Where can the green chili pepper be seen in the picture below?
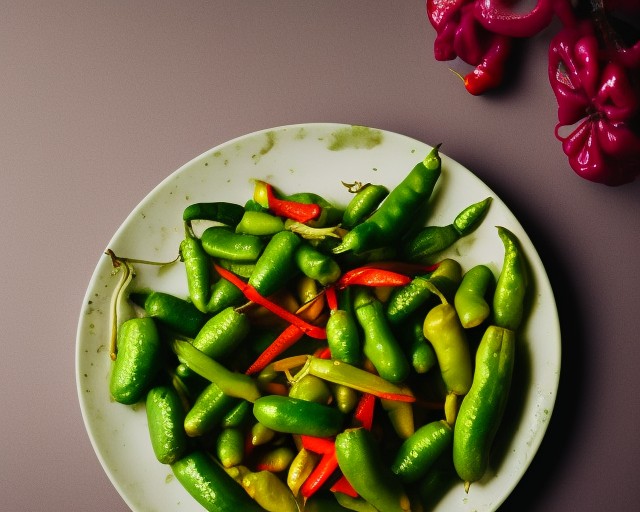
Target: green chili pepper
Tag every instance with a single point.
(470, 300)
(198, 269)
(208, 411)
(225, 213)
(260, 433)
(224, 294)
(346, 398)
(274, 267)
(296, 416)
(222, 333)
(239, 268)
(482, 408)
(405, 300)
(238, 416)
(138, 360)
(419, 452)
(396, 214)
(379, 344)
(417, 348)
(443, 329)
(230, 447)
(361, 463)
(311, 388)
(509, 296)
(222, 242)
(364, 203)
(178, 314)
(401, 417)
(316, 265)
(231, 383)
(259, 223)
(431, 240)
(210, 486)
(266, 488)
(343, 336)
(165, 417)
(437, 482)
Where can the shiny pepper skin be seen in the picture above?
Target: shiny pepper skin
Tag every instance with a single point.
(599, 101)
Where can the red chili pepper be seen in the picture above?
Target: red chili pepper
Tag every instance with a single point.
(300, 212)
(332, 297)
(320, 475)
(323, 353)
(403, 267)
(343, 486)
(285, 340)
(490, 72)
(365, 410)
(253, 295)
(371, 276)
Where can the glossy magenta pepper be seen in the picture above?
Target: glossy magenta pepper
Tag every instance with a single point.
(503, 16)
(598, 102)
(460, 34)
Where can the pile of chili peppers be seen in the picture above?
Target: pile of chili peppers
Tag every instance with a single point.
(594, 70)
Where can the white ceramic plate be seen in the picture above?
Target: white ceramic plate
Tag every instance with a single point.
(315, 158)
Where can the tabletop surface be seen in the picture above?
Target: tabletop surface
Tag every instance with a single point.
(102, 100)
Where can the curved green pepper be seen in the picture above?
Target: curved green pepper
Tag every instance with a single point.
(379, 344)
(431, 240)
(222, 242)
(443, 329)
(482, 408)
(343, 337)
(406, 300)
(469, 299)
(361, 463)
(165, 418)
(316, 265)
(419, 452)
(210, 486)
(396, 214)
(363, 204)
(222, 333)
(197, 265)
(178, 314)
(208, 411)
(297, 416)
(259, 223)
(224, 294)
(225, 213)
(508, 299)
(138, 360)
(230, 447)
(274, 266)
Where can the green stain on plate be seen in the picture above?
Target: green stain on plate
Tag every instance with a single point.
(357, 137)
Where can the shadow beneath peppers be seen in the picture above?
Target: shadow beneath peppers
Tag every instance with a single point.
(548, 461)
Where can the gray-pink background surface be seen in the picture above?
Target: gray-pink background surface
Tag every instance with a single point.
(101, 100)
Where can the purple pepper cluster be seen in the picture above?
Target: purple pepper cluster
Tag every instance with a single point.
(594, 70)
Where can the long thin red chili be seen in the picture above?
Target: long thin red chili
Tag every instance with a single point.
(300, 212)
(285, 340)
(371, 276)
(253, 295)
